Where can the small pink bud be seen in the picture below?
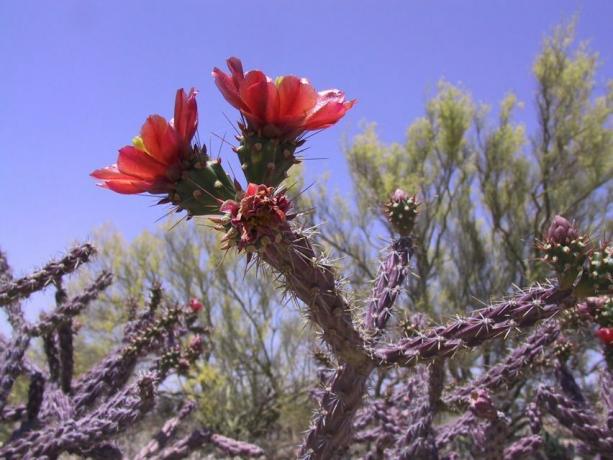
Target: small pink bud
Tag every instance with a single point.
(195, 305)
(561, 231)
(400, 195)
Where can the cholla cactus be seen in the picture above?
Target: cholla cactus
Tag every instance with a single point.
(83, 414)
(420, 406)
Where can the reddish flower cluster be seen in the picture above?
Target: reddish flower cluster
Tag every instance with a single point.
(285, 107)
(259, 218)
(153, 163)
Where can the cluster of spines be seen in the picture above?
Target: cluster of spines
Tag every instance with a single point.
(266, 160)
(202, 186)
(401, 211)
(565, 254)
(597, 276)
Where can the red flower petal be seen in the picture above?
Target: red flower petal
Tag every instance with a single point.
(109, 172)
(251, 189)
(284, 110)
(160, 140)
(228, 89)
(139, 165)
(331, 108)
(236, 69)
(229, 205)
(127, 187)
(296, 97)
(260, 97)
(186, 115)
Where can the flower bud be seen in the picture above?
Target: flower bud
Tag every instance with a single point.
(401, 210)
(561, 231)
(481, 404)
(195, 305)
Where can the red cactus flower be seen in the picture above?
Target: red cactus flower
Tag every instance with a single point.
(605, 334)
(153, 163)
(285, 107)
(260, 216)
(195, 305)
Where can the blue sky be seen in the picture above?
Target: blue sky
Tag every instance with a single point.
(79, 77)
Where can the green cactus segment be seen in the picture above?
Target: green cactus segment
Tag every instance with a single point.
(566, 259)
(203, 186)
(597, 276)
(401, 214)
(266, 161)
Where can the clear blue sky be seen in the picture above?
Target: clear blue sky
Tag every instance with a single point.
(78, 78)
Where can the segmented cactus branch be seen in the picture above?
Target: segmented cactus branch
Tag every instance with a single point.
(202, 437)
(582, 424)
(524, 448)
(392, 272)
(499, 320)
(314, 282)
(81, 417)
(511, 369)
(166, 433)
(24, 287)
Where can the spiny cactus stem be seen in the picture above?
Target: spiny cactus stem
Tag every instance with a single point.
(506, 374)
(200, 437)
(315, 284)
(523, 310)
(14, 413)
(332, 426)
(392, 272)
(11, 363)
(419, 441)
(113, 372)
(458, 427)
(70, 308)
(168, 431)
(578, 420)
(72, 435)
(524, 448)
(13, 309)
(24, 287)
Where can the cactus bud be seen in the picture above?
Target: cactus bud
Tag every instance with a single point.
(481, 404)
(565, 250)
(195, 305)
(561, 231)
(400, 211)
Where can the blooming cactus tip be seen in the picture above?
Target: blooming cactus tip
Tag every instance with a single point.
(276, 113)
